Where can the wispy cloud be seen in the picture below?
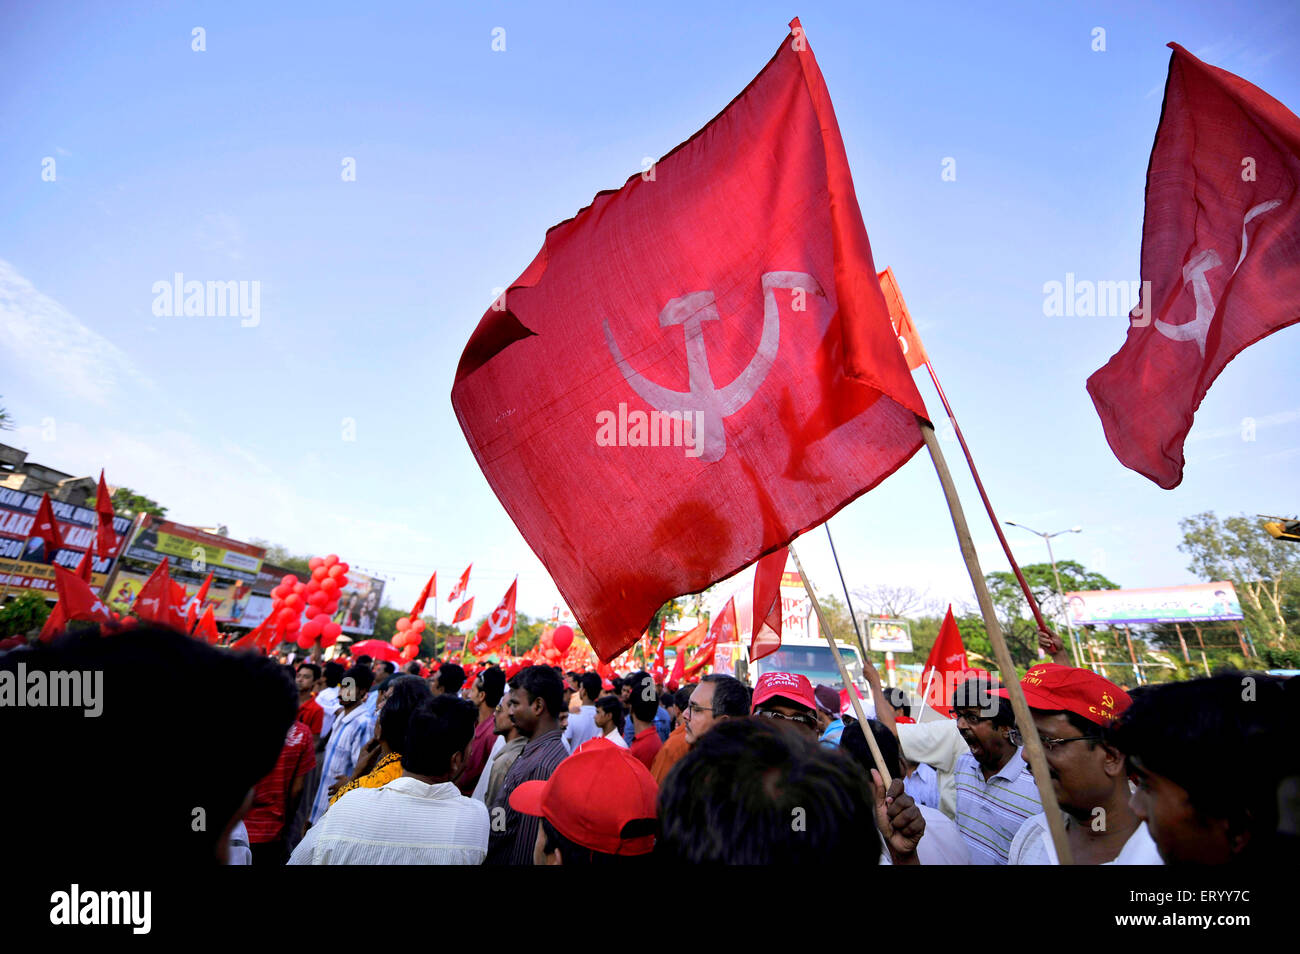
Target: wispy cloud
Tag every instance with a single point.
(37, 332)
(1276, 419)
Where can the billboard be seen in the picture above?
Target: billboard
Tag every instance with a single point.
(1200, 602)
(24, 567)
(889, 635)
(231, 601)
(359, 604)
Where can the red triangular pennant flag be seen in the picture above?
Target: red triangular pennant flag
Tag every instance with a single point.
(463, 612)
(908, 338)
(105, 535)
(191, 616)
(1219, 257)
(153, 604)
(203, 590)
(943, 667)
(207, 628)
(722, 630)
(85, 567)
(253, 638)
(659, 669)
(77, 599)
(458, 591)
(47, 528)
(722, 326)
(692, 637)
(430, 589)
(55, 623)
(498, 628)
(765, 637)
(679, 670)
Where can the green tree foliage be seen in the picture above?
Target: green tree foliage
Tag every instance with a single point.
(1014, 616)
(6, 420)
(22, 615)
(1264, 571)
(126, 502)
(280, 556)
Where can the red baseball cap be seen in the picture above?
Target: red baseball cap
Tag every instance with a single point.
(1081, 691)
(787, 685)
(592, 795)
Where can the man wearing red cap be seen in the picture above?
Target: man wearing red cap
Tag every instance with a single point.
(787, 698)
(1071, 707)
(598, 807)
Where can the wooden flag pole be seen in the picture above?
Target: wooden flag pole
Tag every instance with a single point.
(1033, 747)
(844, 673)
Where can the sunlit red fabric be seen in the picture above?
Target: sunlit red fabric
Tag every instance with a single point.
(946, 662)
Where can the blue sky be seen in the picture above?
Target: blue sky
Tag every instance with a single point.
(225, 164)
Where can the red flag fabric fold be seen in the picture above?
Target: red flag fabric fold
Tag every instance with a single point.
(765, 637)
(721, 630)
(463, 612)
(430, 589)
(78, 600)
(105, 535)
(943, 667)
(498, 628)
(720, 367)
(458, 591)
(908, 337)
(1219, 257)
(47, 528)
(85, 568)
(253, 638)
(207, 628)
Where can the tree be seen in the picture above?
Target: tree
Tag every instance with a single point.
(6, 420)
(280, 556)
(1017, 622)
(1265, 571)
(127, 503)
(885, 599)
(24, 613)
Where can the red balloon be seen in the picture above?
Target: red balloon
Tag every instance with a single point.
(328, 641)
(332, 630)
(345, 566)
(409, 653)
(294, 601)
(342, 581)
(129, 621)
(337, 570)
(329, 586)
(417, 625)
(314, 562)
(319, 573)
(404, 624)
(562, 638)
(317, 598)
(288, 580)
(331, 560)
(305, 641)
(299, 588)
(332, 606)
(314, 611)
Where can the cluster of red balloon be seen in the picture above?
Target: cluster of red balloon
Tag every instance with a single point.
(555, 645)
(410, 633)
(318, 598)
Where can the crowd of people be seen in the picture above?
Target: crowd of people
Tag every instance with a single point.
(202, 755)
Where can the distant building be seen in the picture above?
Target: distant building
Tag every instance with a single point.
(18, 473)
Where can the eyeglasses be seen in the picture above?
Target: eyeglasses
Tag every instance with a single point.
(801, 719)
(972, 716)
(1049, 744)
(700, 710)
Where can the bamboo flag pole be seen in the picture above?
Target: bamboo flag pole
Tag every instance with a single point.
(848, 600)
(1033, 747)
(844, 673)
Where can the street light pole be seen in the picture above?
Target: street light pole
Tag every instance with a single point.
(1047, 538)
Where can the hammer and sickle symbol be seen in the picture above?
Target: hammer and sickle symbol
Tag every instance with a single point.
(704, 398)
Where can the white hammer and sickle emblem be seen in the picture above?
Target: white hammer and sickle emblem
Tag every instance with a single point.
(712, 403)
(499, 622)
(1194, 272)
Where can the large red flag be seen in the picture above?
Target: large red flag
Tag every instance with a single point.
(943, 667)
(430, 589)
(498, 627)
(463, 612)
(722, 629)
(191, 617)
(47, 528)
(85, 568)
(458, 591)
(78, 600)
(1221, 251)
(105, 535)
(153, 604)
(765, 636)
(207, 628)
(719, 364)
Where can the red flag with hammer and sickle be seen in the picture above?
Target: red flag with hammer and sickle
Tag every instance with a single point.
(497, 629)
(1221, 254)
(697, 367)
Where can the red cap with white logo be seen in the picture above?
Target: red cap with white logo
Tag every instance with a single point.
(788, 685)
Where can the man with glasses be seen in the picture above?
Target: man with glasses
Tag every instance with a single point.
(984, 782)
(787, 698)
(1071, 708)
(716, 699)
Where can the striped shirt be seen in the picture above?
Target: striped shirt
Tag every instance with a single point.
(989, 813)
(407, 822)
(351, 732)
(514, 837)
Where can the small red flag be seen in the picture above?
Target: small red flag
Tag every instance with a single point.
(55, 623)
(908, 338)
(943, 667)
(736, 290)
(462, 614)
(85, 568)
(721, 630)
(498, 628)
(430, 589)
(203, 590)
(692, 637)
(458, 591)
(1219, 256)
(47, 528)
(765, 638)
(253, 638)
(191, 616)
(78, 600)
(105, 535)
(679, 670)
(659, 670)
(207, 628)
(153, 604)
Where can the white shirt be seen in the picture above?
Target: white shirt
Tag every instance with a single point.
(582, 726)
(937, 744)
(616, 737)
(942, 843)
(328, 699)
(481, 787)
(240, 853)
(407, 822)
(1033, 846)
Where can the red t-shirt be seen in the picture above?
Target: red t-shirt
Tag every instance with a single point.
(646, 745)
(312, 715)
(265, 819)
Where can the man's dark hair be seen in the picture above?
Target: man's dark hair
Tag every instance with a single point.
(450, 677)
(412, 668)
(363, 660)
(644, 701)
(617, 683)
(734, 798)
(136, 675)
(409, 692)
(979, 692)
(334, 673)
(731, 697)
(361, 678)
(493, 685)
(573, 854)
(614, 706)
(542, 682)
(684, 696)
(898, 699)
(1186, 731)
(312, 668)
(589, 683)
(386, 667)
(439, 728)
(854, 743)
